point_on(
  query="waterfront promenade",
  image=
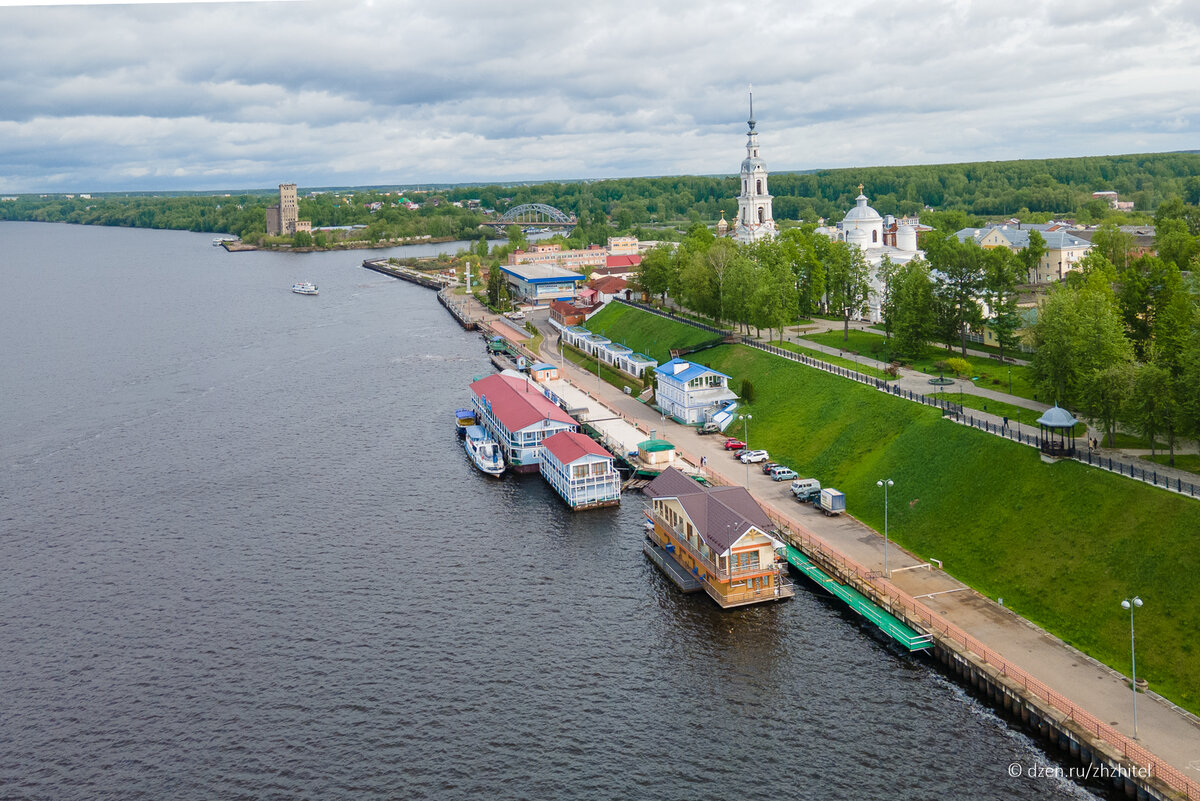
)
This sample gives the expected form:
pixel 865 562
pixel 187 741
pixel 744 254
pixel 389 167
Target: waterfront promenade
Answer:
pixel 1169 733
pixel 1172 735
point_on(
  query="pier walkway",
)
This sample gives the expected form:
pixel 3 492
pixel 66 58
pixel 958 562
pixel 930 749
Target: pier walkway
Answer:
pixel 889 624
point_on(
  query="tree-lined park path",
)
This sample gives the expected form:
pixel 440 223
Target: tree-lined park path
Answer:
pixel 918 382
pixel 1170 733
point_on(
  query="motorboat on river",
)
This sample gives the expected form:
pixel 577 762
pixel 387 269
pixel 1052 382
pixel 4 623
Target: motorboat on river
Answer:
pixel 484 451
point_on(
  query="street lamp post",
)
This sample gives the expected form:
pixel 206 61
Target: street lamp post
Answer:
pixel 1130 603
pixel 885 483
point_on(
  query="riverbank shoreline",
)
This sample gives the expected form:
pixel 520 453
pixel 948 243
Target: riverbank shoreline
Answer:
pixel 233 246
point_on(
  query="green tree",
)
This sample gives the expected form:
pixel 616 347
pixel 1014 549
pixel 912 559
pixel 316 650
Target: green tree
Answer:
pixel 912 309
pixel 302 239
pixel 516 237
pixel 1152 409
pixel 1031 255
pixel 1078 331
pixel 656 272
pixel 1114 245
pixel 846 272
pixel 960 270
pixel 1000 278
pixel 886 273
pixel 1105 394
pixel 960 367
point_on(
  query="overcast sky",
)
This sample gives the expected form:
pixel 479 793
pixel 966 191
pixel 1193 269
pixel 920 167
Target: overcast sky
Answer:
pixel 243 95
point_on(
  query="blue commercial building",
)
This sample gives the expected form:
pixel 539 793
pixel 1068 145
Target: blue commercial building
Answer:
pixel 540 283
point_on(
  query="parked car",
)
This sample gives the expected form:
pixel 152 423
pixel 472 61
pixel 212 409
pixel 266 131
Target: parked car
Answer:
pixel 767 467
pixel 516 315
pixel 732 444
pixel 708 428
pixel 738 453
pixel 752 457
pixel 806 490
pixel 781 473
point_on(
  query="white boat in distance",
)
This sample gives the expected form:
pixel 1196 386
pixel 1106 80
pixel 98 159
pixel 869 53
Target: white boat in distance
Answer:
pixel 304 288
pixel 484 451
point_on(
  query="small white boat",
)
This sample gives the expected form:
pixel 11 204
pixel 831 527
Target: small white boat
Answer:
pixel 483 450
pixel 305 288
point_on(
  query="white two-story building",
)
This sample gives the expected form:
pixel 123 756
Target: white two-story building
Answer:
pixel 692 393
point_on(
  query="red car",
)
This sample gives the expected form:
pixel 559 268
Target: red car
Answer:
pixel 734 444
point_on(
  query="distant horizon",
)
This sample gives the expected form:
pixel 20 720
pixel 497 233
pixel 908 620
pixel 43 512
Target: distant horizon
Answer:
pixel 449 185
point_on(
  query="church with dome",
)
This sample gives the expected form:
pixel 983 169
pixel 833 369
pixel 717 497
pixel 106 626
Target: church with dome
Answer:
pixel 878 238
pixel 754 221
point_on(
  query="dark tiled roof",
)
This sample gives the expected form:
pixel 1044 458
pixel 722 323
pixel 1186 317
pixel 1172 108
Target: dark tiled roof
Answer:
pixel 721 514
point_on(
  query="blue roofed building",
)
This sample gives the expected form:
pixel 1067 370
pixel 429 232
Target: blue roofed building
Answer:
pixel 540 283
pixel 692 393
pixel 1063 250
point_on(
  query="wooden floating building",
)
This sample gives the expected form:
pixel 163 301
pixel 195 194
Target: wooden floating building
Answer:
pixel 718 538
pixel 580 470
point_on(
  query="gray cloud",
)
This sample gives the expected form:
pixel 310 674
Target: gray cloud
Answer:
pixel 239 95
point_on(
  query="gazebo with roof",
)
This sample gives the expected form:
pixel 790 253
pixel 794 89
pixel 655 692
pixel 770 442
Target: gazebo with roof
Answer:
pixel 1057 427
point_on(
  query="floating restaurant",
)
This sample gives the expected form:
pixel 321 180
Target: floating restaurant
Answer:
pixel 714 538
pixel 580 471
pixel 519 416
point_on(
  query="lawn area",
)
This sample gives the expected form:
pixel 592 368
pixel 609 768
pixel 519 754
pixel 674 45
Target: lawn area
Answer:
pixel 1183 461
pixel 1124 440
pixel 645 332
pixel 1062 543
pixel 992 374
pixel 1015 353
pixel 839 361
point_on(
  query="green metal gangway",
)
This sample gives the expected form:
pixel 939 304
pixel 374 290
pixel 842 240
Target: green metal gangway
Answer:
pixel 887 623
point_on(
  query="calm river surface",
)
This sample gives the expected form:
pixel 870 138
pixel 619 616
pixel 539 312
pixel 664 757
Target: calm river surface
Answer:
pixel 243 556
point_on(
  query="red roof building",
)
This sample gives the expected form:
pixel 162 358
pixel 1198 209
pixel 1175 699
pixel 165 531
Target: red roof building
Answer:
pixel 580 470
pixel 519 416
pixel 567 314
pixel 609 287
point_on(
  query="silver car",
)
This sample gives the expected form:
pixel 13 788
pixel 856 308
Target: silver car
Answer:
pixel 750 457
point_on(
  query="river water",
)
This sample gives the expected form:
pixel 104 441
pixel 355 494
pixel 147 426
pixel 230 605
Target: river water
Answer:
pixel 243 556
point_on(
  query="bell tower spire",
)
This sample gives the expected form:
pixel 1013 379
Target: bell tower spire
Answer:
pixel 754 221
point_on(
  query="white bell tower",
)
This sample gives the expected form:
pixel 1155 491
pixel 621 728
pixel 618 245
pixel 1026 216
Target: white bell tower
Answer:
pixel 754 220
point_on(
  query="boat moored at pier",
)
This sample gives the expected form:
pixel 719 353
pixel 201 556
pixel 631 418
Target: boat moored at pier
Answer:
pixel 462 419
pixel 483 450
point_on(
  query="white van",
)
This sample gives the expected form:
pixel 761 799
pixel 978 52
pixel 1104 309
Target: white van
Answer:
pixel 806 490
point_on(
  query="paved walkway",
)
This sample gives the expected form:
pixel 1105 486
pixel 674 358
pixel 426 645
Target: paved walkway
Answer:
pixel 1170 733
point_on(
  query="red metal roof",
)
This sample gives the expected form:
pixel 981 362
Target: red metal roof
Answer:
pixel 609 284
pixel 518 403
pixel 568 446
pixel 623 261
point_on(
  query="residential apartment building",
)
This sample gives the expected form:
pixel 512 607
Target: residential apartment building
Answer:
pixel 1064 250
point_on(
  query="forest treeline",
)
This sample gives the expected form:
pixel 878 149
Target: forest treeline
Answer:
pixel 1033 190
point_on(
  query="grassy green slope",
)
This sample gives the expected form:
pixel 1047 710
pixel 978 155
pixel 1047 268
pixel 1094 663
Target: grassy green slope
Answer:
pixel 644 332
pixel 1062 543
